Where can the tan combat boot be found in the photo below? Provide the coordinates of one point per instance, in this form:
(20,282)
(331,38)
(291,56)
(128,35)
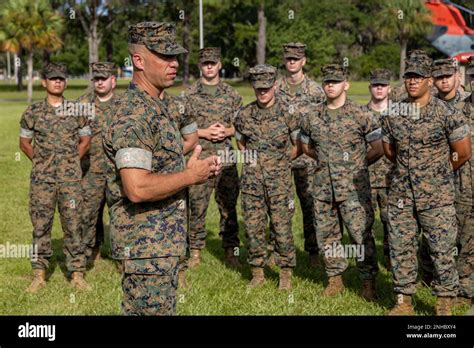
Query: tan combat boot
(314,261)
(78,281)
(285,279)
(182,283)
(195,259)
(334,287)
(231,259)
(403,307)
(368,290)
(443,306)
(39,281)
(258,277)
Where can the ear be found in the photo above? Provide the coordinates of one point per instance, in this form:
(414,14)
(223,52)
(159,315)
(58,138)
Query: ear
(43,83)
(138,60)
(430,81)
(346,85)
(389,89)
(219,65)
(114,81)
(303,61)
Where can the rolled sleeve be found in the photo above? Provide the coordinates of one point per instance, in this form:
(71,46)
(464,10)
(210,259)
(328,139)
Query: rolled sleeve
(305,139)
(190,128)
(133,157)
(85,131)
(295,135)
(459,133)
(26,133)
(374,135)
(239,136)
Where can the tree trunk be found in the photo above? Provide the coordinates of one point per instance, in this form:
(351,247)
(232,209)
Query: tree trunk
(262,37)
(18,72)
(30,75)
(403,54)
(186,46)
(94,42)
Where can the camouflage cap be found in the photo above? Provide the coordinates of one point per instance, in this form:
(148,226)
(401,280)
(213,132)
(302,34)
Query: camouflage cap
(263,76)
(156,36)
(334,72)
(103,69)
(419,65)
(470,66)
(51,70)
(443,67)
(209,54)
(380,77)
(294,50)
(417,52)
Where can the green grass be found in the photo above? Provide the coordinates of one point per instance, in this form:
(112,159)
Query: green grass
(215,289)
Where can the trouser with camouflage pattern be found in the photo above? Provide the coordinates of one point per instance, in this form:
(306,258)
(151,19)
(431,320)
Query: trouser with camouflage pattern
(93,193)
(149,286)
(280,209)
(380,202)
(438,226)
(358,217)
(226,191)
(303,183)
(44,197)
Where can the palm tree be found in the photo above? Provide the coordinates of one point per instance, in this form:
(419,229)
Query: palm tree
(402,20)
(32,26)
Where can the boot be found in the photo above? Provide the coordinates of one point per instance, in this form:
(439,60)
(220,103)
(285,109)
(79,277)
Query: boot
(403,307)
(314,261)
(78,281)
(285,279)
(462,301)
(258,277)
(39,281)
(443,306)
(182,283)
(368,290)
(334,287)
(195,259)
(231,259)
(427,278)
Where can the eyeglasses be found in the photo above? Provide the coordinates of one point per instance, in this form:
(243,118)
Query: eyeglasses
(415,78)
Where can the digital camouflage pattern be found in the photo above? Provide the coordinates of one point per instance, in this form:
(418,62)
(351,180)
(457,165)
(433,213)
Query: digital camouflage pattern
(444,67)
(208,109)
(55,180)
(156,36)
(341,183)
(262,76)
(51,70)
(94,170)
(464,185)
(103,69)
(308,92)
(334,72)
(143,134)
(422,193)
(295,50)
(155,275)
(209,54)
(380,174)
(266,183)
(380,77)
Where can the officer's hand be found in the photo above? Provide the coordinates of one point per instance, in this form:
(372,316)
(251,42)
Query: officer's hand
(221,134)
(201,170)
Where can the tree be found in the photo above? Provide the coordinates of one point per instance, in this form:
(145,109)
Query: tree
(30,26)
(402,20)
(262,36)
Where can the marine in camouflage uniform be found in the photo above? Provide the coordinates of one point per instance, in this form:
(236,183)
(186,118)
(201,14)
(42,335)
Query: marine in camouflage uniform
(93,163)
(60,136)
(148,228)
(445,72)
(267,129)
(380,172)
(212,102)
(338,139)
(464,184)
(422,189)
(305,91)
